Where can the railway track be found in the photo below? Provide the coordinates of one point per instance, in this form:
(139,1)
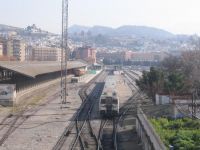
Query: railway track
(107,134)
(126,121)
(16,120)
(134,75)
(85,132)
(79,131)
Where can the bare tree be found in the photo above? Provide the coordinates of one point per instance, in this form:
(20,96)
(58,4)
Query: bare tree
(171,64)
(191,66)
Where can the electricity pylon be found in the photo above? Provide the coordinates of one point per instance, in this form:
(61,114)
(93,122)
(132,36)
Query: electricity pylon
(64,51)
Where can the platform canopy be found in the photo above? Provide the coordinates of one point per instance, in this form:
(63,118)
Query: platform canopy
(32,69)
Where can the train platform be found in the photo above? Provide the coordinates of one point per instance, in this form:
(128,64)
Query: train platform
(123,90)
(86,77)
(89,76)
(127,136)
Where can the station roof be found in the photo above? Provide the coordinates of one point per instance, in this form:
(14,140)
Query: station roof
(32,69)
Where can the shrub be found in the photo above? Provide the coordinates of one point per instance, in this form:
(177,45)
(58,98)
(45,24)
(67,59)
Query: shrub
(183,134)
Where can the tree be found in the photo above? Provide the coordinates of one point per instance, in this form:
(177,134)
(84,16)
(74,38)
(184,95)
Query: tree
(151,82)
(174,83)
(191,68)
(175,75)
(171,64)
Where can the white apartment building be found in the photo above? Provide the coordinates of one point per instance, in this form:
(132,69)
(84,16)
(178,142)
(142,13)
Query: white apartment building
(43,54)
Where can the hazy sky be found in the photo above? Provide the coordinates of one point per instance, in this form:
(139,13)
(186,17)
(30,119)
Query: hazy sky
(177,16)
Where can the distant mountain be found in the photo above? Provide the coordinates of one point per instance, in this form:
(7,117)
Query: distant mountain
(78,29)
(183,37)
(9,28)
(134,31)
(101,30)
(143,31)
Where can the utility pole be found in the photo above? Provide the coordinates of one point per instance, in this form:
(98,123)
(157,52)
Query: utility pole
(64,51)
(194,104)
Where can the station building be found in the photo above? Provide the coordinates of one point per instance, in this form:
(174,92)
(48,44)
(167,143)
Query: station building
(23,75)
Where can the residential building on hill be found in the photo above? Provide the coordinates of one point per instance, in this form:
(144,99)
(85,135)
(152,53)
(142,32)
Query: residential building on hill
(34,53)
(86,53)
(12,48)
(19,50)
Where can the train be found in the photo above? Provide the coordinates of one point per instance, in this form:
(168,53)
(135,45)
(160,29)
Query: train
(79,72)
(109,101)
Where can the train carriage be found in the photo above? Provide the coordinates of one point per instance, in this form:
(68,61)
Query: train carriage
(109,101)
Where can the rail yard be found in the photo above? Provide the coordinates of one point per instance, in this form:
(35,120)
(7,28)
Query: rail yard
(68,83)
(45,123)
(105,110)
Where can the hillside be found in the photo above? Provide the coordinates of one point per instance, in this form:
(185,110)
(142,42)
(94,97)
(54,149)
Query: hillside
(9,28)
(78,29)
(29,30)
(143,31)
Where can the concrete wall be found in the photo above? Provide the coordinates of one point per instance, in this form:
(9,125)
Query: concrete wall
(7,94)
(162,99)
(150,139)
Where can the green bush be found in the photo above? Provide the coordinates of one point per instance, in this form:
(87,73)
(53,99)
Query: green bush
(183,134)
